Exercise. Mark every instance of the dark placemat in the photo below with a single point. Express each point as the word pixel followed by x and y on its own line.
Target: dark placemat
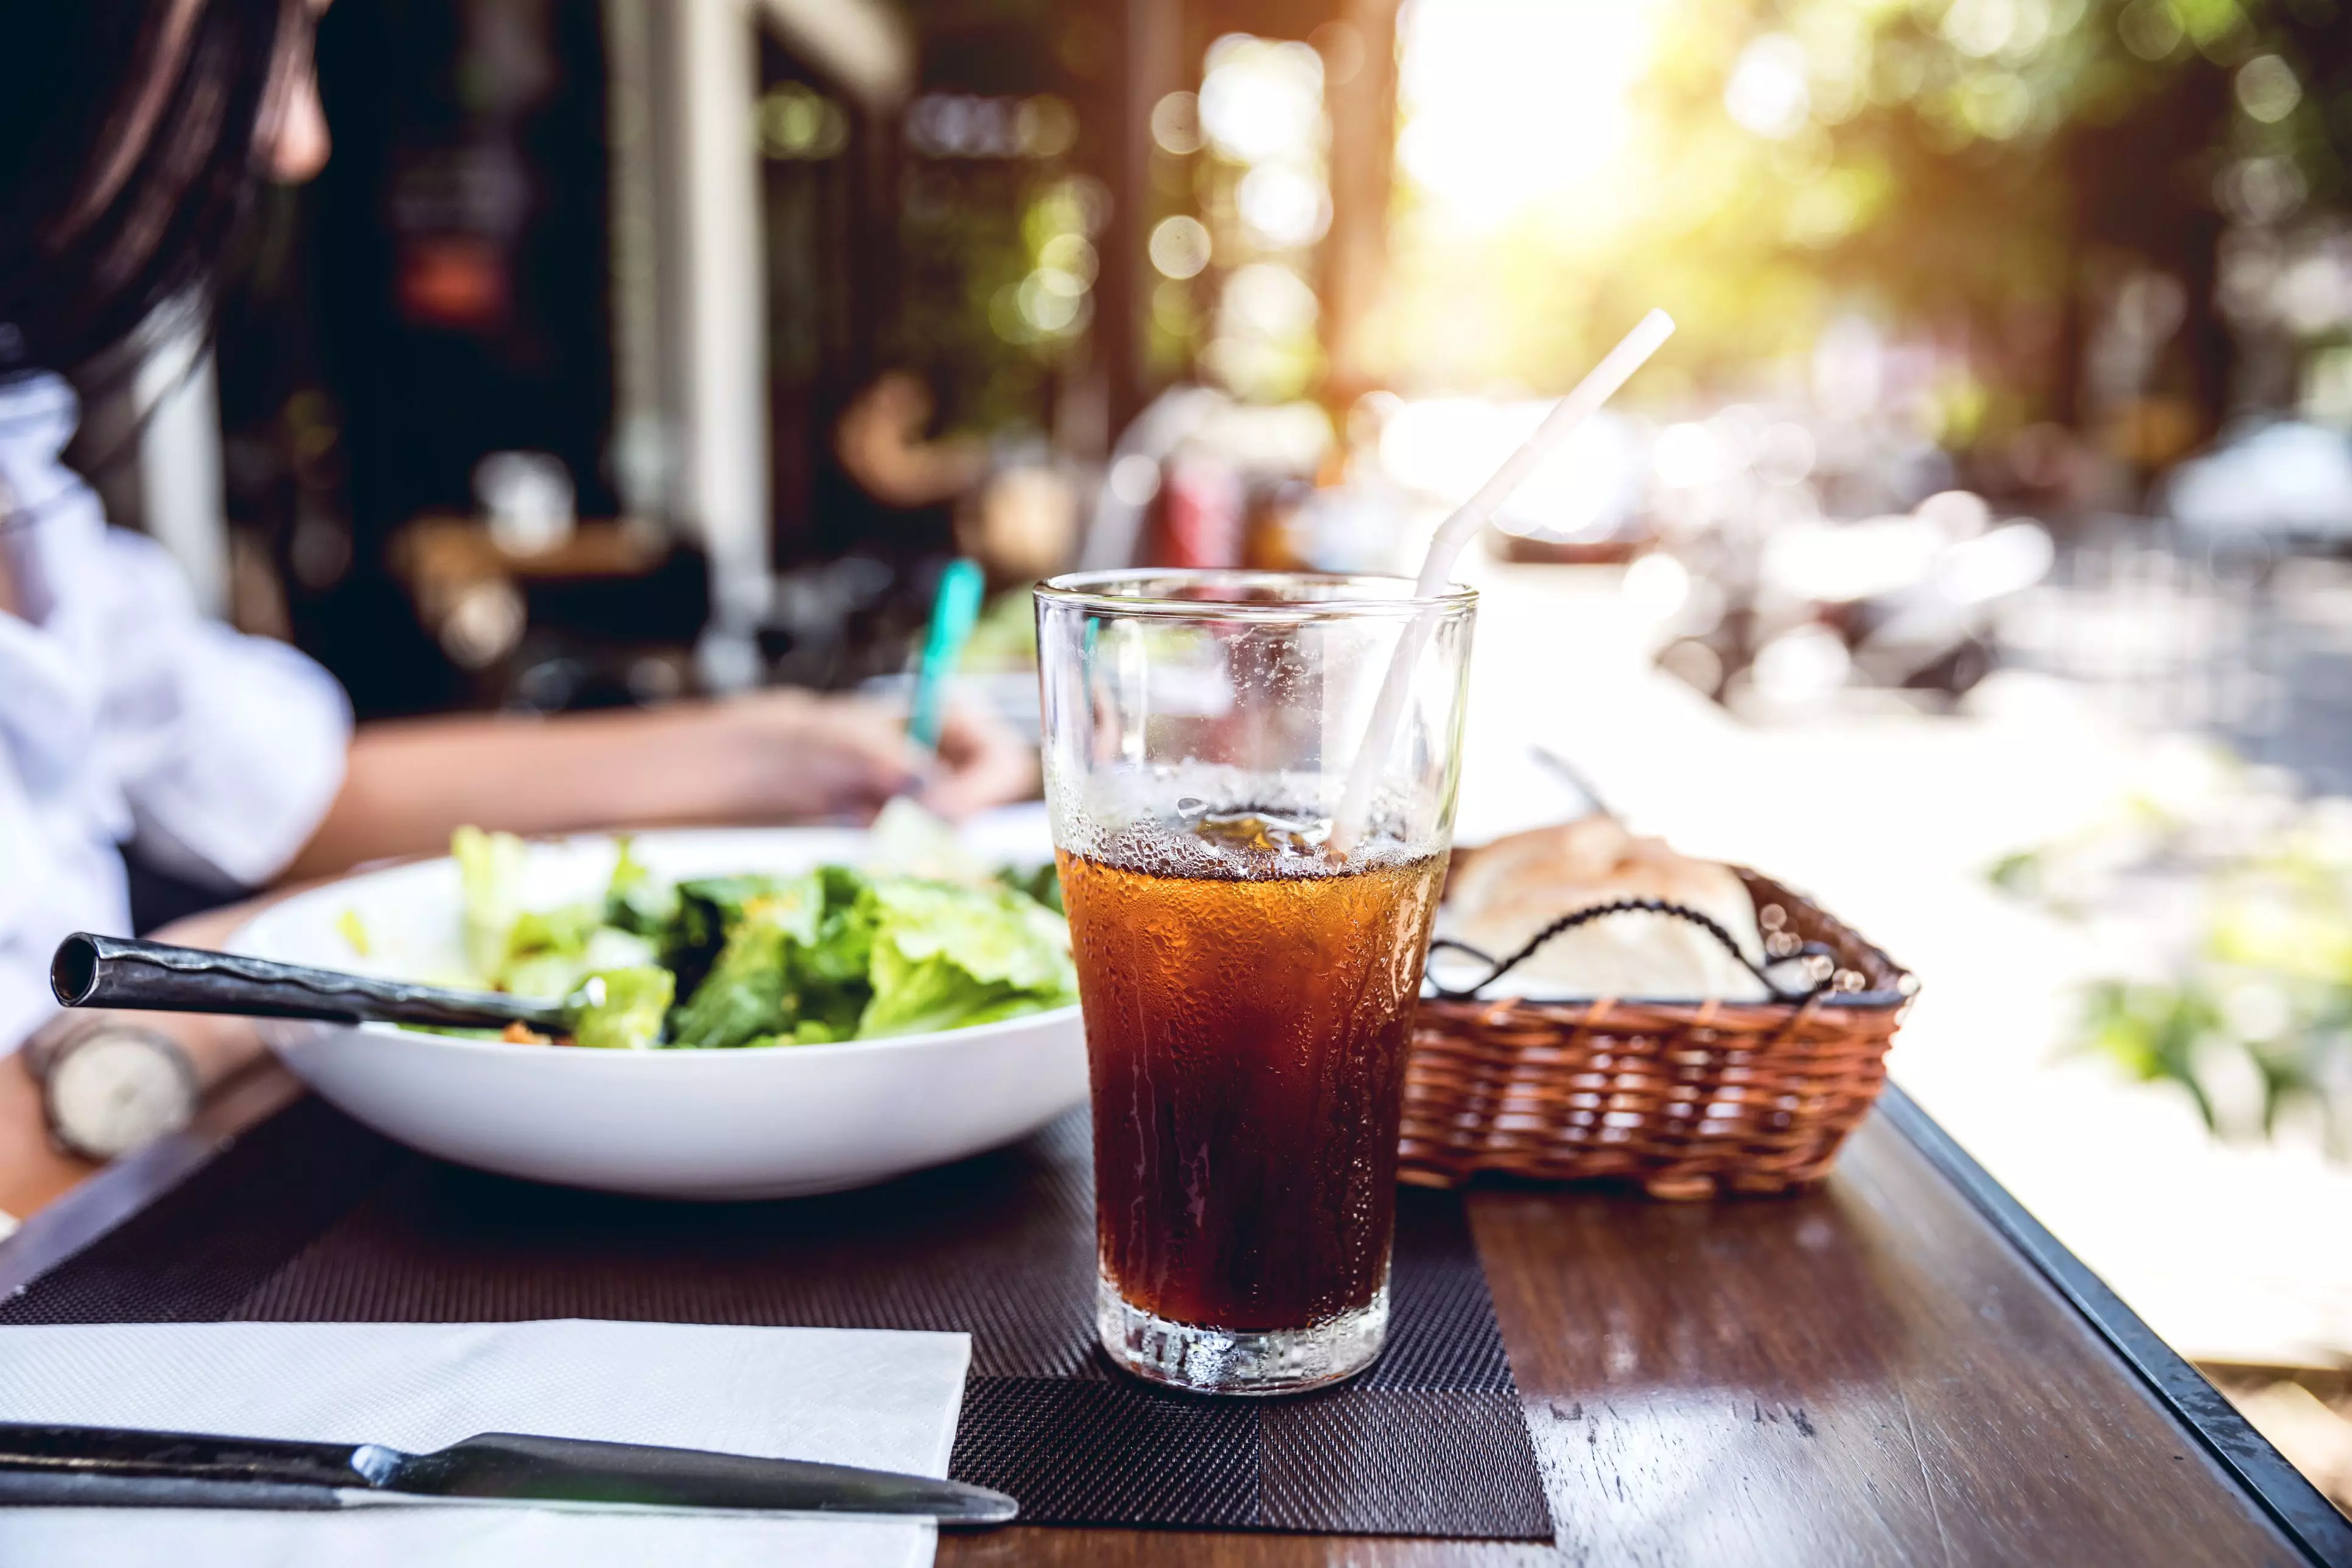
pixel 312 1218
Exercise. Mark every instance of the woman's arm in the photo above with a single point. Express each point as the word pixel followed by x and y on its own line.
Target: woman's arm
pixel 770 756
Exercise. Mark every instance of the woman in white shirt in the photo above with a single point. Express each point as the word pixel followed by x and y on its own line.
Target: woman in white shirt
pixel 130 136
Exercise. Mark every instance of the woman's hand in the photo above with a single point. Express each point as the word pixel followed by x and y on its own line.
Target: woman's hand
pixel 982 763
pixel 796 755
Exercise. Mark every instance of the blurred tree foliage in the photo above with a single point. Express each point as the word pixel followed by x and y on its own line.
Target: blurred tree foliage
pixel 1980 172
pixel 973 228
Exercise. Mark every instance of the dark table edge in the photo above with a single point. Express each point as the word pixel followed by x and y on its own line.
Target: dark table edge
pixel 2297 1507
pixel 119 1191
pixel 2306 1518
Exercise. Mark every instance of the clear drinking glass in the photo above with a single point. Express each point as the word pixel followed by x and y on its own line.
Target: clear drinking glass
pixel 1249 975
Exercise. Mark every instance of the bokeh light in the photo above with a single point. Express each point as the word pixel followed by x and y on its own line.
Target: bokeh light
pixel 1260 99
pixel 1179 247
pixel 1768 93
pixel 1512 105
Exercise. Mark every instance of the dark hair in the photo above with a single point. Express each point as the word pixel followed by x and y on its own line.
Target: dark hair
pixel 127 160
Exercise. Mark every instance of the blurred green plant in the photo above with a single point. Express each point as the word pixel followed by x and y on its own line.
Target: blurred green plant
pixel 2255 1021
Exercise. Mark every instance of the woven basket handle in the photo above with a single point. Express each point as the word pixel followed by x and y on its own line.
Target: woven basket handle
pixel 1634 906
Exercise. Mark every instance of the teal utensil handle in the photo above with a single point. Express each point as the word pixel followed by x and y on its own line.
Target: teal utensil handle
pixel 953 615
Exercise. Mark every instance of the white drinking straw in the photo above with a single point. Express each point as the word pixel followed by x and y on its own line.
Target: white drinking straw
pixel 1437 568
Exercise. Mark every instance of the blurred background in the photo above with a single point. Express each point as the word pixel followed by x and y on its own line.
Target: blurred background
pixel 1978 555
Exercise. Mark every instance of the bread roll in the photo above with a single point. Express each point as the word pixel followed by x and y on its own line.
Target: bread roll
pixel 1501 894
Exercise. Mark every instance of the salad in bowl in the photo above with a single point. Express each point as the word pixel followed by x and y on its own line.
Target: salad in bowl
pixel 757 1012
pixel 754 959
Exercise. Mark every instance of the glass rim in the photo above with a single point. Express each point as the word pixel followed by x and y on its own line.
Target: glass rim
pixel 1088 590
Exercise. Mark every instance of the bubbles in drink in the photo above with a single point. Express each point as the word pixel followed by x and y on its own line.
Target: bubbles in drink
pixel 1251 841
pixel 1265 832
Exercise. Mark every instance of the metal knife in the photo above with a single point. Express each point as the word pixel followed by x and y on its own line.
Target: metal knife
pixel 101 1466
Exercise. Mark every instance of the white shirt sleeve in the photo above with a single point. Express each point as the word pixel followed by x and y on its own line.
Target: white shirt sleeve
pixel 54 880
pixel 126 715
pixel 228 749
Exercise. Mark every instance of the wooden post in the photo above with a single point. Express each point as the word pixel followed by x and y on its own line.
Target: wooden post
pixel 1364 110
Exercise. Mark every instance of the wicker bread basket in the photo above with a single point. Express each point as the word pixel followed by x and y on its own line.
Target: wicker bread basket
pixel 1683 1098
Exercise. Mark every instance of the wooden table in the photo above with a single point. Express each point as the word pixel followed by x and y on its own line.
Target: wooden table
pixel 1899 1367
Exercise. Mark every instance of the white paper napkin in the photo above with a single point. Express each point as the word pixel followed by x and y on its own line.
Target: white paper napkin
pixel 886 1400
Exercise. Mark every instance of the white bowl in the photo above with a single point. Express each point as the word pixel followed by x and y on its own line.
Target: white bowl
pixel 753 1123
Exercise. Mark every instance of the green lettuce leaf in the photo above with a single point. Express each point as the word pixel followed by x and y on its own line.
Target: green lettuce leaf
pixel 1042 883
pixel 750 991
pixel 914 997
pixel 635 901
pixel 831 971
pixel 549 976
pixel 794 905
pixel 559 969
pixel 708 908
pixel 727 895
pixel 622 1009
pixel 947 957
pixel 992 934
pixel 490 878
pixel 565 929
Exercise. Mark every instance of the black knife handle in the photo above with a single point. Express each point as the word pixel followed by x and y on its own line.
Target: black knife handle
pixel 40 1451
pixel 121 971
pixel 80 1489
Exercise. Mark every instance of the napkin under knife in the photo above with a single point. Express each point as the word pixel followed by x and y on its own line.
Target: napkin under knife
pixel 120 1467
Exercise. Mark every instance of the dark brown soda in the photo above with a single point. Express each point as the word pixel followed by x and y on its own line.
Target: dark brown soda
pixel 1248 1016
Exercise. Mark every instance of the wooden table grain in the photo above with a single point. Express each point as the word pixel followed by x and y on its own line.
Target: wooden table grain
pixel 1872 1373
pixel 1897 1367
